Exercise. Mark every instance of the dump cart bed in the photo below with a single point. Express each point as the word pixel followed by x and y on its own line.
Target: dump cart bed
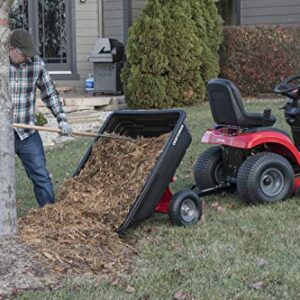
pixel 149 123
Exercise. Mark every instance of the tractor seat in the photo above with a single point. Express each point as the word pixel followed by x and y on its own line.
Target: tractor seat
pixel 227 106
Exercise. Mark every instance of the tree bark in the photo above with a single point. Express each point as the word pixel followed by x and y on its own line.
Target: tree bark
pixel 8 215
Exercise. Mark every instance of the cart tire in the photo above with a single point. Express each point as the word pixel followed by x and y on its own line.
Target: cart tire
pixel 208 170
pixel 265 177
pixel 185 208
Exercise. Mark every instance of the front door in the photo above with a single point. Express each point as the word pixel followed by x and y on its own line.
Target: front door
pixel 50 21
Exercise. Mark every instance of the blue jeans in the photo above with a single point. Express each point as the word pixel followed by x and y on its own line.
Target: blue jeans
pixel 31 152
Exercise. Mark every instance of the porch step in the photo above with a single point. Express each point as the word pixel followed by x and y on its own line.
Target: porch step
pixel 97 101
pixel 84 102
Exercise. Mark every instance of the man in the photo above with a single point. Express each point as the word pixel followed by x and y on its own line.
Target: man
pixel 27 73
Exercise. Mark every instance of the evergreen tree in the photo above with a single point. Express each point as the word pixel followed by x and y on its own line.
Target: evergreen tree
pixel 209 30
pixel 172 50
pixel 213 24
pixel 144 74
pixel 184 83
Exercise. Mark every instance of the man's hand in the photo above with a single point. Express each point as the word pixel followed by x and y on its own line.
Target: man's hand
pixel 66 128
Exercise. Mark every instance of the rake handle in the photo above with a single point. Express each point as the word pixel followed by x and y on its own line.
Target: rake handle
pixel 50 129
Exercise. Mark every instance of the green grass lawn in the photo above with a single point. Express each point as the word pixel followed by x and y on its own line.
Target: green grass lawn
pixel 244 252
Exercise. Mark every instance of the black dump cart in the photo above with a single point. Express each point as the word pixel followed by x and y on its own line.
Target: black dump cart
pixel 184 207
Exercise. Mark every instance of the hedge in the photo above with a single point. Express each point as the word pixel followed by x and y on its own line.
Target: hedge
pixel 255 58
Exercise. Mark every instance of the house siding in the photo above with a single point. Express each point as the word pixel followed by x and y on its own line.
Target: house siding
pixel 253 11
pixel 97 18
pixel 270 12
pixel 136 8
pixel 113 19
pixel 88 27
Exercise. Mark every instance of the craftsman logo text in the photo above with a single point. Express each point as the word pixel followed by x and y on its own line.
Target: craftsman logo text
pixel 177 135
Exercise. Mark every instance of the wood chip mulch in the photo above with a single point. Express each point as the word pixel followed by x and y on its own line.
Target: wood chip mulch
pixel 77 235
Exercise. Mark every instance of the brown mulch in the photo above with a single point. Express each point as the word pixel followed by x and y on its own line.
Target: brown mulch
pixel 78 235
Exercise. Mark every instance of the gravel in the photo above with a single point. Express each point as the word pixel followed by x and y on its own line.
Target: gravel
pixel 86 120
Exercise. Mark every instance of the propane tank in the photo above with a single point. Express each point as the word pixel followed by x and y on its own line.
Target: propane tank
pixel 89 83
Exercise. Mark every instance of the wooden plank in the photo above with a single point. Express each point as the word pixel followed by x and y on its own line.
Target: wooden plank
pixel 86 23
pixel 88 6
pixel 88 40
pixel 83 50
pixel 136 9
pixel 113 23
pixel 268 3
pixel 116 14
pixel 113 19
pixel 117 5
pixel 84 65
pixel 88 101
pixel 87 15
pixel 271 11
pixel 82 57
pixel 289 19
pixel 138 4
pixel 88 31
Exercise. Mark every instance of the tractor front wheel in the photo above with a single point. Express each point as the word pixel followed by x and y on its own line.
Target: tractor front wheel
pixel 209 170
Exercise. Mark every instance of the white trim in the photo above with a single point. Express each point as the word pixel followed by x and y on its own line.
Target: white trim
pixel 59 72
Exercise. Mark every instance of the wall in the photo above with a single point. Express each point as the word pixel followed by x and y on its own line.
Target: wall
pixel 88 27
pixel 113 19
pixel 270 12
pixel 136 8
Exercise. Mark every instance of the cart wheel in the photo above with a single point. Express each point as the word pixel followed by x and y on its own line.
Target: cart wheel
pixel 208 171
pixel 185 208
pixel 265 177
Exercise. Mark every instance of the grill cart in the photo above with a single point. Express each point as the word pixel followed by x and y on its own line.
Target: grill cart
pixel 107 58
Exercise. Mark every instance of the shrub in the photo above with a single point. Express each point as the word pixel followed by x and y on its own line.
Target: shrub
pixel 169 52
pixel 183 47
pixel 40 119
pixel 143 75
pixel 255 58
pixel 209 29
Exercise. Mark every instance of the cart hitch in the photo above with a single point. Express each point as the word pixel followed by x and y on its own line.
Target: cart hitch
pixel 216 189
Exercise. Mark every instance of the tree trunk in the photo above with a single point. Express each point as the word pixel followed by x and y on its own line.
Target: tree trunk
pixel 8 215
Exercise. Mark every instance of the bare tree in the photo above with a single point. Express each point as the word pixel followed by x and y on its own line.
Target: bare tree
pixel 8 215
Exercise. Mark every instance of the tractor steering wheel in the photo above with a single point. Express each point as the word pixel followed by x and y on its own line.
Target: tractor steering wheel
pixel 289 89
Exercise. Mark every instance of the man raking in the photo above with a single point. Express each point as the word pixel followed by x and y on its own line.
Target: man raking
pixel 28 73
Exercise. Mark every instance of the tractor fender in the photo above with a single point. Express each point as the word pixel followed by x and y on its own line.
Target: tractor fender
pixel 276 141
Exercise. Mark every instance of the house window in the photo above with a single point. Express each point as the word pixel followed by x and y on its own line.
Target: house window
pixel 52 24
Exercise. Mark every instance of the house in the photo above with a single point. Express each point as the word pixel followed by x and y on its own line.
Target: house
pixel 68 29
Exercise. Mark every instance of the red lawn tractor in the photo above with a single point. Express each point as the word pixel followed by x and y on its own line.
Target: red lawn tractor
pixel 259 161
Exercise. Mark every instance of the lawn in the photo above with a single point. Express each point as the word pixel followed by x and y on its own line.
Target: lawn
pixel 237 251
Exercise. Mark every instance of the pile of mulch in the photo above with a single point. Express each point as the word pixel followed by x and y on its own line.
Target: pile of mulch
pixel 78 234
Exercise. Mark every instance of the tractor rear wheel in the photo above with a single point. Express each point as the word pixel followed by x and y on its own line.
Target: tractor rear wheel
pixel 265 177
